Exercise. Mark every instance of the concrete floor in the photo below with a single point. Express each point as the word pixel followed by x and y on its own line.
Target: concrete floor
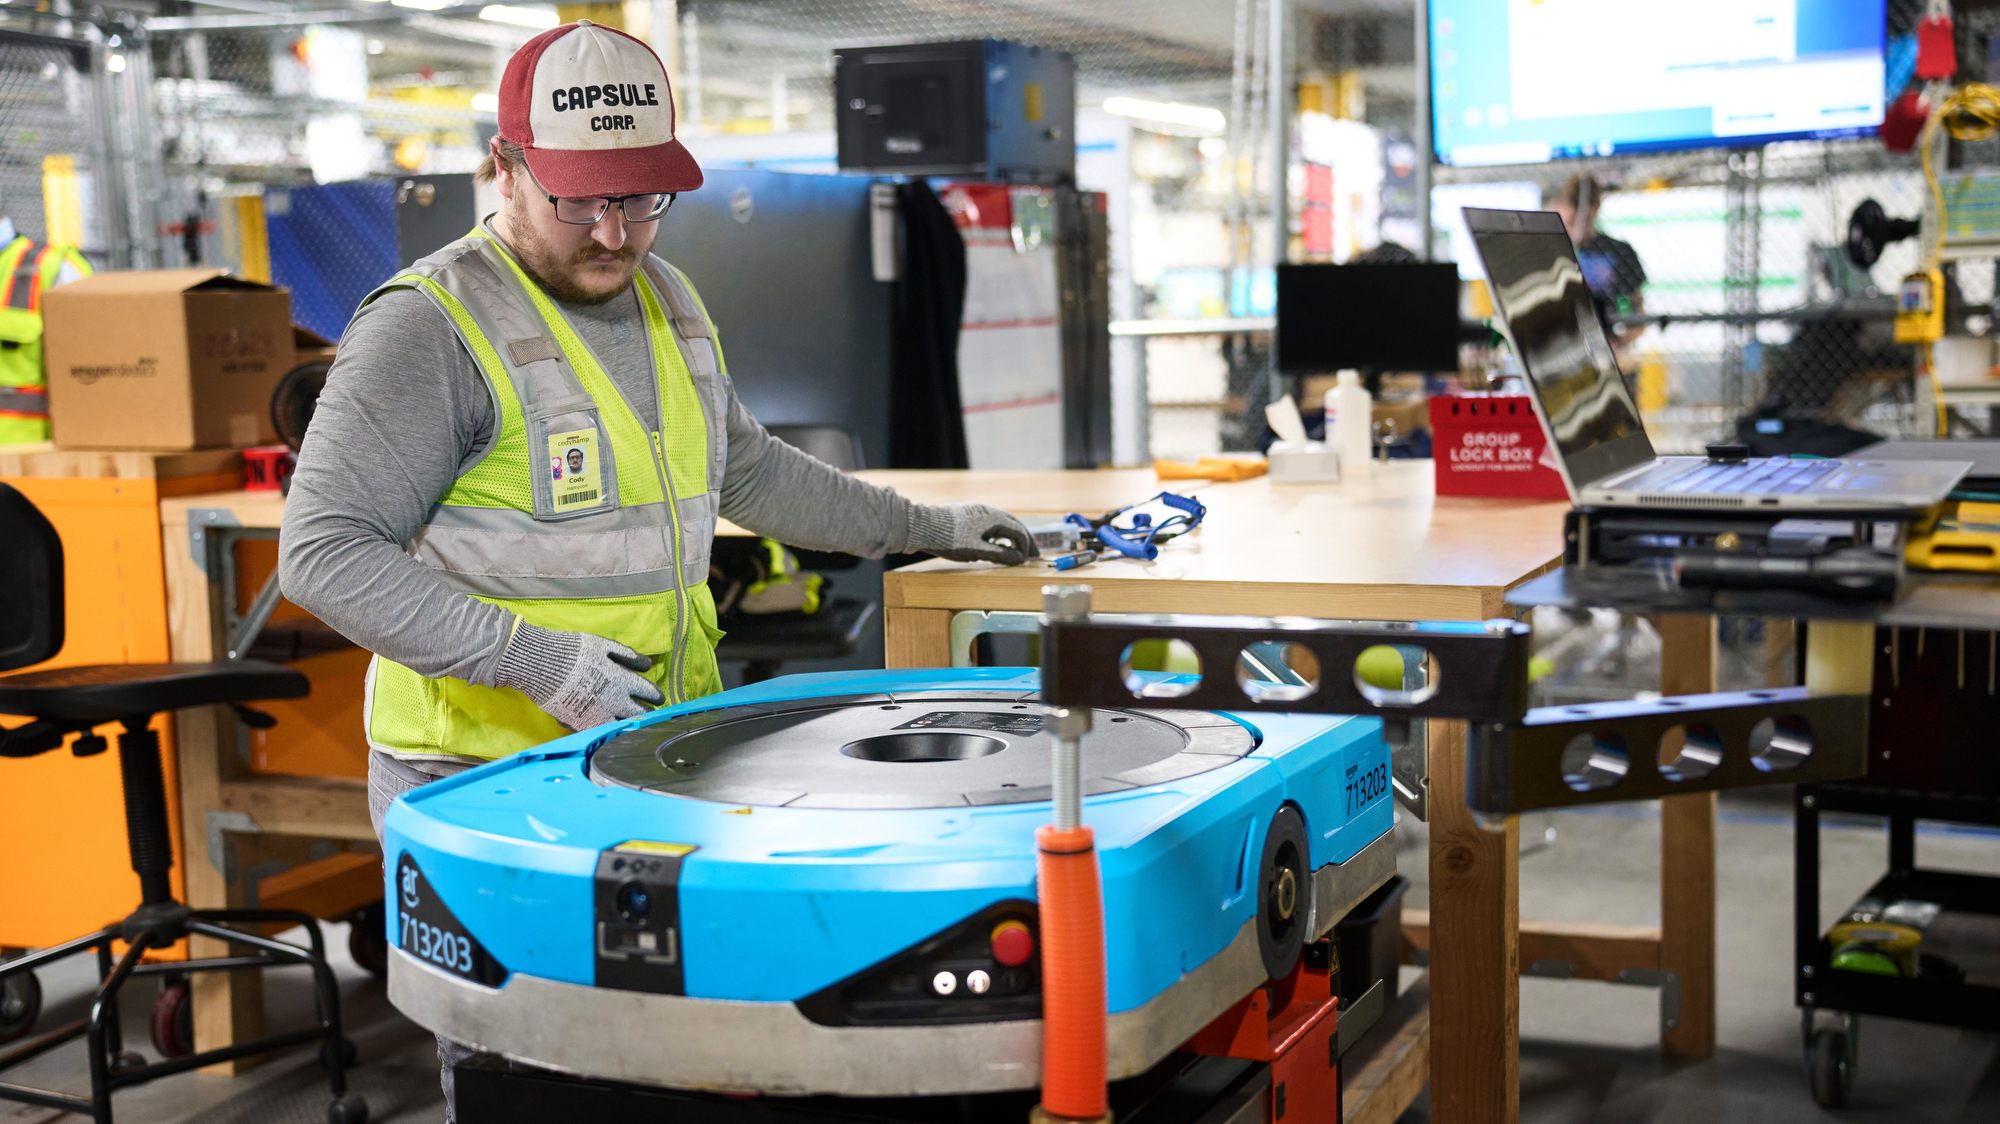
pixel 1588 1050
pixel 398 1071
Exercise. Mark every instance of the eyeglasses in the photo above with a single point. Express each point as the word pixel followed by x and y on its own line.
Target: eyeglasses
pixel 587 212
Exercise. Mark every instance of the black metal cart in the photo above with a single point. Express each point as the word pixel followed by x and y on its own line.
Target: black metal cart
pixel 1933 754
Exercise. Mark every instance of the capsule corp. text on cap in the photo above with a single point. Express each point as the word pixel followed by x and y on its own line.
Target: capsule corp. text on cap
pixel 591 108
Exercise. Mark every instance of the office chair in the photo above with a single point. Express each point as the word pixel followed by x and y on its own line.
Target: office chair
pixel 762 645
pixel 74 700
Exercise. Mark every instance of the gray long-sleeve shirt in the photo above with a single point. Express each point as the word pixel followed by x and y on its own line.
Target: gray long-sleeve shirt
pixel 406 410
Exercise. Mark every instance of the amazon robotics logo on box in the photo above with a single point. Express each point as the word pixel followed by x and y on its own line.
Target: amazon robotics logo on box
pixel 145 368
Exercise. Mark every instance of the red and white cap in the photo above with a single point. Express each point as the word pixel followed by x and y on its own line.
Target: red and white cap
pixel 591 108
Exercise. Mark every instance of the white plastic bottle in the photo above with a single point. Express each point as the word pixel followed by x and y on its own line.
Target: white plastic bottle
pixel 1350 425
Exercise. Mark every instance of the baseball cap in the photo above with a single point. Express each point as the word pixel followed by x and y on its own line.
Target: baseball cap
pixel 590 107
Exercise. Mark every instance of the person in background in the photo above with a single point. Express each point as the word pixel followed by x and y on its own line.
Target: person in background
pixel 1611 266
pixel 26 272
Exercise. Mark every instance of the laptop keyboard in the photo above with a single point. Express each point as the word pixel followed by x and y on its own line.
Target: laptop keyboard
pixel 1771 476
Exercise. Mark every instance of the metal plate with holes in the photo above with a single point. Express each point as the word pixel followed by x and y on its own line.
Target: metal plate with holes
pixel 924 749
pixel 1481 668
pixel 1604 752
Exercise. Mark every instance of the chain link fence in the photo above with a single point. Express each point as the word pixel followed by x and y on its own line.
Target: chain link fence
pixel 201 135
pixel 1749 306
pixel 52 154
pixel 753 61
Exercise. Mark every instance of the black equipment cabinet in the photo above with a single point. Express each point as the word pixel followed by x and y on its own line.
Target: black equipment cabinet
pixel 432 212
pixel 981 108
pixel 1931 756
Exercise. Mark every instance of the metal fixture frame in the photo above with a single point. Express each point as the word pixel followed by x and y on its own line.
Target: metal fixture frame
pixel 1518 759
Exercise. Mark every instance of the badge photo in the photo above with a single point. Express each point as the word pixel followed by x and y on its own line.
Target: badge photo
pixel 575 472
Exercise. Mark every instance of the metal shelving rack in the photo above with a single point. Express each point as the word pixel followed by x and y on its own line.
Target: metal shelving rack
pixel 1942 689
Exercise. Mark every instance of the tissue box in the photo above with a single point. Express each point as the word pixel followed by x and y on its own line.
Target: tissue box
pixel 1308 462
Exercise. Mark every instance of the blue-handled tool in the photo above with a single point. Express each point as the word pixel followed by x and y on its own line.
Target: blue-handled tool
pixel 1072 561
pixel 1141 539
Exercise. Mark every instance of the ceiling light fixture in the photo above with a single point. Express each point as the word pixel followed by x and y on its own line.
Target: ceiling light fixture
pixel 1190 116
pixel 539 18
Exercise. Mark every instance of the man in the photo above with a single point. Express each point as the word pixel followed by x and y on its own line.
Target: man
pixel 510 487
pixel 1610 266
pixel 25 274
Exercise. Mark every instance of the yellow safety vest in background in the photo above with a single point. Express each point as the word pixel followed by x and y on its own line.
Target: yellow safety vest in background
pixel 24 386
pixel 581 516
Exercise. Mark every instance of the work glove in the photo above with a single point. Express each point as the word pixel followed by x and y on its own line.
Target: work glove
pixel 580 680
pixel 970 532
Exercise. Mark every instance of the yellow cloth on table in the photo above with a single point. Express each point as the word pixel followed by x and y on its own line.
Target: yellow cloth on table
pixel 1211 468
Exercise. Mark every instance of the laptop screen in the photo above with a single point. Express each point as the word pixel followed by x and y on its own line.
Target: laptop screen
pixel 1539 290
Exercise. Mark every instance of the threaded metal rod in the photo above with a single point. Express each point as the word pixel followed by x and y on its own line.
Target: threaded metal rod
pixel 1068 783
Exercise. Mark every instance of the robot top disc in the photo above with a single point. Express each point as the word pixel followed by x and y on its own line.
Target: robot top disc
pixel 932 750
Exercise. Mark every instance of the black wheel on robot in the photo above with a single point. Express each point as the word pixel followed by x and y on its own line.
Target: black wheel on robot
pixel 1284 892
pixel 368 939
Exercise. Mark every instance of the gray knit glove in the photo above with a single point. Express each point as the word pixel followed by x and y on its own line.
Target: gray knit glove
pixel 580 680
pixel 970 532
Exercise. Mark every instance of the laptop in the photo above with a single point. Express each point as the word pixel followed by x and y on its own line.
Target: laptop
pixel 1593 426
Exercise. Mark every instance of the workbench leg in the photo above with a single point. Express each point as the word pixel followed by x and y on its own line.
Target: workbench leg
pixel 916 637
pixel 1687 853
pixel 1475 949
pixel 228 1006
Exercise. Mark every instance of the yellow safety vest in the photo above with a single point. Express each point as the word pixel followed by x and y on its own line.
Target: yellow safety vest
pixel 581 516
pixel 24 387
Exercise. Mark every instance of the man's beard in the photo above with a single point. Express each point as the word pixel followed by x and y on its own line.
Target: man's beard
pixel 552 272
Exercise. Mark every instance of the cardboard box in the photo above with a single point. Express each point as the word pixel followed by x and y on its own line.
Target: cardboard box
pixel 1491 445
pixel 165 359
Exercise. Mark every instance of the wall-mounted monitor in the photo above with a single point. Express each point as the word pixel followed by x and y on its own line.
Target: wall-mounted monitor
pixel 1524 81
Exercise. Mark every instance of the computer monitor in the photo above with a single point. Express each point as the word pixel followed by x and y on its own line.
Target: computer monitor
pixel 1393 316
pixel 1524 82
pixel 1551 321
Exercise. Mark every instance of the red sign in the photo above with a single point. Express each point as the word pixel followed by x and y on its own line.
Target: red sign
pixel 1492 445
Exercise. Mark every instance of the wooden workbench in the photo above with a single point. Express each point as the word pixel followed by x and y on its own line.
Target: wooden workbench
pixel 224 804
pixel 1382 547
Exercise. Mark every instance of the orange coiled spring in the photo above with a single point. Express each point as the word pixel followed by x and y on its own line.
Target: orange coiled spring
pixel 1073 998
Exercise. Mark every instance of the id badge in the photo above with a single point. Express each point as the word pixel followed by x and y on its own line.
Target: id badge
pixel 576 471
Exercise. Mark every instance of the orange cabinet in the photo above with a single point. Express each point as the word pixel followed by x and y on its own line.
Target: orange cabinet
pixel 64 867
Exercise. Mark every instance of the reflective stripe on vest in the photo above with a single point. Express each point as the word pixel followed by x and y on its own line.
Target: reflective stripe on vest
pixel 607 565
pixel 17 294
pixel 24 400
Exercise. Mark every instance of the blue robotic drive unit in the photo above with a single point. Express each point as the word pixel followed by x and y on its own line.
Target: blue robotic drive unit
pixel 826 883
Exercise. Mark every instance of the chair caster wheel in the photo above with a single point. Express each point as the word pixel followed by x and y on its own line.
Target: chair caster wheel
pixel 20 1005
pixel 350 1109
pixel 173 1021
pixel 127 1061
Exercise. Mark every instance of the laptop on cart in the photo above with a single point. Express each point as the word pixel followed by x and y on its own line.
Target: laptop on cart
pixel 1593 425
